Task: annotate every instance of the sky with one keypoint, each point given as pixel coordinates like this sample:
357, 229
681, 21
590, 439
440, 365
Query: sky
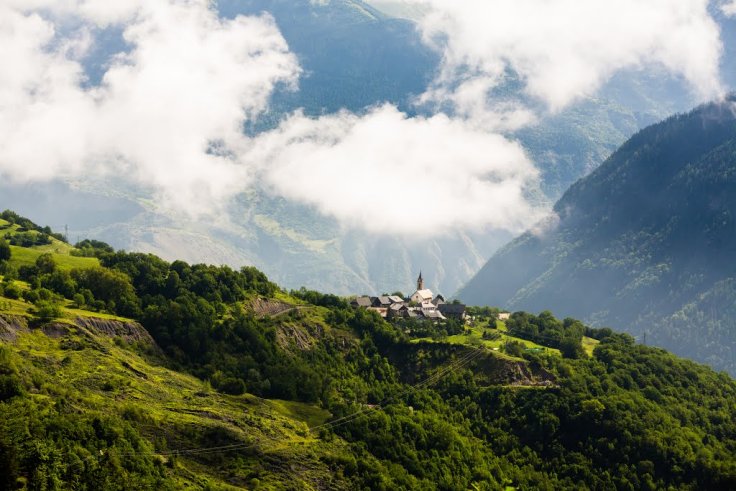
168, 113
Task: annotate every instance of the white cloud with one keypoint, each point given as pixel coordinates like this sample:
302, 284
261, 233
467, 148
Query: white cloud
391, 174
729, 8
168, 114
566, 49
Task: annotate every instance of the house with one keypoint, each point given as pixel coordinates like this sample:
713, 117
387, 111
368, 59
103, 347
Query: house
439, 299
421, 296
396, 299
381, 302
362, 301
398, 310
504, 316
452, 310
433, 315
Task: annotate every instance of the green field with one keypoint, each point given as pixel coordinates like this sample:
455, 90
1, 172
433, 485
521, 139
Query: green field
474, 337
26, 256
310, 415
22, 256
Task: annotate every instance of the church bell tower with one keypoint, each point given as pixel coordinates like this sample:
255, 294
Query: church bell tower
420, 282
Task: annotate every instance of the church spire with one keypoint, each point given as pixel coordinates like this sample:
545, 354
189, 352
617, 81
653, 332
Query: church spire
420, 282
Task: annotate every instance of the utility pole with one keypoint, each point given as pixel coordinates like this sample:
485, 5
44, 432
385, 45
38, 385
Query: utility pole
66, 233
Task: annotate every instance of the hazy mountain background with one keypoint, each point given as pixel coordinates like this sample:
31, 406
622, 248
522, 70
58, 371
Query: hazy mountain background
353, 56
645, 243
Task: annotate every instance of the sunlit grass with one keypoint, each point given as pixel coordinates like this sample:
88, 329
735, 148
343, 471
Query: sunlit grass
474, 337
105, 376
23, 256
589, 345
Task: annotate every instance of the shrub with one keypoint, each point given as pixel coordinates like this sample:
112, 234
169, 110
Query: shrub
12, 291
4, 250
79, 300
47, 310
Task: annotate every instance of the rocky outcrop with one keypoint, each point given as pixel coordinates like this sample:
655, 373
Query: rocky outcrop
266, 306
127, 330
10, 326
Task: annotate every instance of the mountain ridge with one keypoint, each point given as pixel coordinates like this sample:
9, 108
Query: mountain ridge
647, 233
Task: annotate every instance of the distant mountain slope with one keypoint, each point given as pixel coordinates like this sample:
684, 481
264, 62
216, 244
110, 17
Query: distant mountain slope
647, 242
352, 54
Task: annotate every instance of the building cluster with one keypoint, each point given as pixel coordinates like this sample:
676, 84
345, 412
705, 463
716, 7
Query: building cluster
421, 305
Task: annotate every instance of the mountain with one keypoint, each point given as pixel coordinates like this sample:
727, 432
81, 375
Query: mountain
353, 56
122, 371
646, 242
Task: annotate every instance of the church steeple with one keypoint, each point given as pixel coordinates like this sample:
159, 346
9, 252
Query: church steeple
420, 282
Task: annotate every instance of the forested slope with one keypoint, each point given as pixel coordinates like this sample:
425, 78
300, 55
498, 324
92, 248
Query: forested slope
646, 243
127, 371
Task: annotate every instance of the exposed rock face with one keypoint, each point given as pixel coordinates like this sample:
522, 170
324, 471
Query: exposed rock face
128, 331
264, 306
10, 326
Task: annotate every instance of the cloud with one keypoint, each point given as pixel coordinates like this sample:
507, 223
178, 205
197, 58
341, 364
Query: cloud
564, 50
391, 174
729, 8
168, 114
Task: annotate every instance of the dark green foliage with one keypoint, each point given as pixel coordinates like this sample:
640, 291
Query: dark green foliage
5, 252
45, 263
47, 310
91, 248
321, 299
11, 291
109, 286
548, 331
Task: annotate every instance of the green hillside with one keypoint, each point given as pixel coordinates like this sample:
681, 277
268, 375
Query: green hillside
144, 374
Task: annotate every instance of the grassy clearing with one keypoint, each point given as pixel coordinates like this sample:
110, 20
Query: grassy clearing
23, 256
26, 256
14, 307
589, 345
310, 415
474, 337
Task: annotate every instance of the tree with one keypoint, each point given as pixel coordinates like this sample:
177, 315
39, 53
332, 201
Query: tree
47, 310
79, 300
5, 252
571, 348
46, 263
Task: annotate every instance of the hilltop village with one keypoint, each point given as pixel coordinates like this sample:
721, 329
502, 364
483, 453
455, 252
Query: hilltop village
420, 305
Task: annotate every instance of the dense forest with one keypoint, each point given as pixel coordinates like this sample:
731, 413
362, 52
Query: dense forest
398, 412
644, 244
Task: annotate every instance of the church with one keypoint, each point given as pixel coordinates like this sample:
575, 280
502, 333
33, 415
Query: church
421, 295
422, 304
